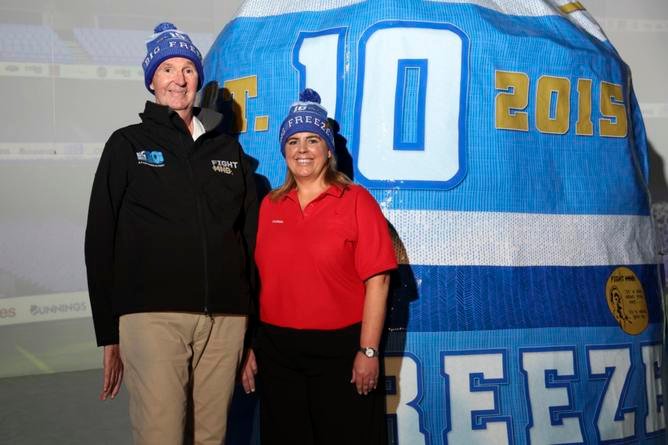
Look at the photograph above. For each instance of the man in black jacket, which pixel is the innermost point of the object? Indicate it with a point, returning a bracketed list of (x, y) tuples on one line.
[(169, 248)]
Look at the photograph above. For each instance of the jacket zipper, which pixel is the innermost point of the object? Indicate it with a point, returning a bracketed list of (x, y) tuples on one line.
[(202, 231)]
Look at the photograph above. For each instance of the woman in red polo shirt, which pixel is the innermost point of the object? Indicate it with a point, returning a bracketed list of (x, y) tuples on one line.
[(323, 252)]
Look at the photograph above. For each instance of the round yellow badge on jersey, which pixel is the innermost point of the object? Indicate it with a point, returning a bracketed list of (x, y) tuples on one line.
[(626, 300)]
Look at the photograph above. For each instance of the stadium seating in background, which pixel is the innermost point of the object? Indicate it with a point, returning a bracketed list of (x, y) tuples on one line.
[(124, 47), (32, 43)]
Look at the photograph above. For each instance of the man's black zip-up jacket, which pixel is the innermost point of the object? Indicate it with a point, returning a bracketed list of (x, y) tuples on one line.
[(171, 223)]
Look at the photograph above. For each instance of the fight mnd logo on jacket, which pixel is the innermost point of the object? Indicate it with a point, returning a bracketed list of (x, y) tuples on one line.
[(505, 146)]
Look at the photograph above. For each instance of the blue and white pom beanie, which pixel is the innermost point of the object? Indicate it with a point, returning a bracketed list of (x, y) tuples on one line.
[(165, 43), (307, 115)]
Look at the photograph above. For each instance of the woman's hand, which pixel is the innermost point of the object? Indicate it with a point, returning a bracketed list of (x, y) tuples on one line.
[(248, 371), (365, 373), (366, 369)]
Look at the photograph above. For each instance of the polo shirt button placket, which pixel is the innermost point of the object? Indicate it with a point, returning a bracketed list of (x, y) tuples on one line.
[(307, 209)]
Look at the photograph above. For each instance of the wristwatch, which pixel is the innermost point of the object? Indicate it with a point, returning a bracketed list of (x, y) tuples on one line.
[(369, 352)]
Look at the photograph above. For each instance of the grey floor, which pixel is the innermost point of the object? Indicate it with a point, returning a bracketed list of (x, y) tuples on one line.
[(63, 408)]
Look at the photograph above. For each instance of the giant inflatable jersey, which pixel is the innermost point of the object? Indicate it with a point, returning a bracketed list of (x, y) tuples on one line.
[(505, 146)]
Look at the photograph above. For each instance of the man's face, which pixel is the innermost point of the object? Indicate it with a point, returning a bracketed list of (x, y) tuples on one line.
[(175, 83)]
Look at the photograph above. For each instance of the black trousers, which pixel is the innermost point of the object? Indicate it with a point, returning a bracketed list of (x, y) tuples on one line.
[(306, 397)]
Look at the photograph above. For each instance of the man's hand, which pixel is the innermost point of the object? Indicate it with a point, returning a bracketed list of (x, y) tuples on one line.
[(113, 372)]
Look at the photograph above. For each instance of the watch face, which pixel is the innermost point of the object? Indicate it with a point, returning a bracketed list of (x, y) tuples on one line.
[(369, 352)]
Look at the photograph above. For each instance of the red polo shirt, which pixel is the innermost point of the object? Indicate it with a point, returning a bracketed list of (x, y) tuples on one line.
[(313, 263)]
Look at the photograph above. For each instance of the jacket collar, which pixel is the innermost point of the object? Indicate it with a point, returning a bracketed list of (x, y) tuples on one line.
[(163, 115)]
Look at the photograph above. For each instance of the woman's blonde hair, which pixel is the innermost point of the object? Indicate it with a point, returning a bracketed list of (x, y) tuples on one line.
[(332, 177)]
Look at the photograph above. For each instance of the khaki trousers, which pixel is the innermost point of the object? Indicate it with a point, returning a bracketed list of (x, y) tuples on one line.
[(179, 364)]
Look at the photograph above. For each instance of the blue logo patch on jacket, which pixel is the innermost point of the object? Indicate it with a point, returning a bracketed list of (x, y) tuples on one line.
[(154, 158)]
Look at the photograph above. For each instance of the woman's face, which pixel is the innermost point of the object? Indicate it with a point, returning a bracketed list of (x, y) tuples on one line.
[(307, 156)]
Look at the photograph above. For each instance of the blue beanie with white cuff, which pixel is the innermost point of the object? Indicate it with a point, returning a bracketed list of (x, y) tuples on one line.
[(307, 115), (167, 42)]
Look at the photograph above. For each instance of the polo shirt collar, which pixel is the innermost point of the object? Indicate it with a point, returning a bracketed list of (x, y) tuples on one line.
[(334, 190)]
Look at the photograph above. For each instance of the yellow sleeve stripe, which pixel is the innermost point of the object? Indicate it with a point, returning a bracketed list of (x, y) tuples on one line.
[(571, 7)]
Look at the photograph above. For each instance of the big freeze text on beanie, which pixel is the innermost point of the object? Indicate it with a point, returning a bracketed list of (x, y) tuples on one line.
[(167, 42), (307, 115)]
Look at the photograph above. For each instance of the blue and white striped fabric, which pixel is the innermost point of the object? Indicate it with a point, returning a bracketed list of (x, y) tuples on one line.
[(505, 146)]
